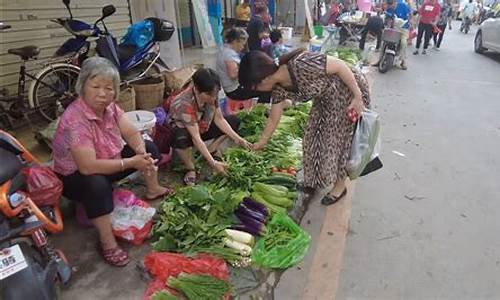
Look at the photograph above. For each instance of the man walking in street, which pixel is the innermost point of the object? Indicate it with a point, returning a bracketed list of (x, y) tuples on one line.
[(429, 14), (444, 16)]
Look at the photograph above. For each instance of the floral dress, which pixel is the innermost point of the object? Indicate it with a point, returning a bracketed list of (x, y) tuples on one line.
[(328, 136)]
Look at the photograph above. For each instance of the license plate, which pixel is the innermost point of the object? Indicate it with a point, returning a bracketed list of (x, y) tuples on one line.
[(11, 261)]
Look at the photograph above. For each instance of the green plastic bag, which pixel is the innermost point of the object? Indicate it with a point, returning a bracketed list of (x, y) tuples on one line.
[(284, 245)]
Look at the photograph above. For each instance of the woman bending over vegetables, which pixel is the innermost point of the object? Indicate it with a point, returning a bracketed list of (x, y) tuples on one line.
[(90, 151), (334, 88), (196, 117)]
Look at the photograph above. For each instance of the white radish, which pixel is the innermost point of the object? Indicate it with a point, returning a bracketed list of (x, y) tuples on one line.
[(243, 249), (240, 236)]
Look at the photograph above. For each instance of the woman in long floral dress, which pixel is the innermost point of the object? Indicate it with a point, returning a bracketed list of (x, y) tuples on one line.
[(334, 89)]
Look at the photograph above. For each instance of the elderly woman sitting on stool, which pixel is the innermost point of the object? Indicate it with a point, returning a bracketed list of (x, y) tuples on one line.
[(90, 151)]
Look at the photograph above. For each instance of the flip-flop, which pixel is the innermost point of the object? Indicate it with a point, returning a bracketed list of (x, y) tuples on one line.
[(116, 257), (189, 180), (169, 191), (329, 199)]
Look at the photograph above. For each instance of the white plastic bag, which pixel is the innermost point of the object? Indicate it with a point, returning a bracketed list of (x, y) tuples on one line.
[(363, 143)]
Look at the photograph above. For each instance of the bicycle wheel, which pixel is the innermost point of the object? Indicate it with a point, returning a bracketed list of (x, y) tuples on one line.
[(54, 89)]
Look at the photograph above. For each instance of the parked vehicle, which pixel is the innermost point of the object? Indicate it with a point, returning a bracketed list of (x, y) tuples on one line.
[(51, 89), (391, 39), (30, 268), (134, 62), (488, 35)]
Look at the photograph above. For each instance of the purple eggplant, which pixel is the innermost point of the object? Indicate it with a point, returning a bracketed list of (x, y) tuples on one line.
[(250, 222), (243, 209), (255, 206)]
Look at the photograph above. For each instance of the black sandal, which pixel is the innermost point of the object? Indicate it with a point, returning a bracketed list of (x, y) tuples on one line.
[(329, 199), (189, 180)]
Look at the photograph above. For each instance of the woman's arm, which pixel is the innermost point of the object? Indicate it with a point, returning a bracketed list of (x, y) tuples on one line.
[(194, 131), (272, 123), (232, 69), (224, 126), (131, 135), (88, 164), (339, 68)]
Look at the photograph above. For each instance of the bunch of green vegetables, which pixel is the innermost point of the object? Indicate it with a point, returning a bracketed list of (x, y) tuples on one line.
[(252, 122), (276, 198), (196, 287), (193, 220), (244, 168), (349, 55), (163, 295)]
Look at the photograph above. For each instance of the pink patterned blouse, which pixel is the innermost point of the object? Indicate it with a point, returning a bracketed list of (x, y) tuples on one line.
[(81, 127)]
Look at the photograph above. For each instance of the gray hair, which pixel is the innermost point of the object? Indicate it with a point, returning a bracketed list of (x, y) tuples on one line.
[(235, 34), (97, 66)]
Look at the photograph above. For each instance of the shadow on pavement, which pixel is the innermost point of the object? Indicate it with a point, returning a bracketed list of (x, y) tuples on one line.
[(493, 56)]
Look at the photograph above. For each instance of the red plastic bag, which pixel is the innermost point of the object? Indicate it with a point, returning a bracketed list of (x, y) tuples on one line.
[(136, 229), (164, 264), (43, 186)]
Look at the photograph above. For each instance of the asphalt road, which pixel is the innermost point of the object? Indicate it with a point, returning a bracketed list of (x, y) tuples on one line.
[(427, 226)]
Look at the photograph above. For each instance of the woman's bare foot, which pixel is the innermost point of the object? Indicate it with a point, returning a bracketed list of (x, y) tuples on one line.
[(157, 192)]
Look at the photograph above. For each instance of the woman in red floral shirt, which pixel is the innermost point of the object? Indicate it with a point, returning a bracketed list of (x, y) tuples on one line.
[(196, 117)]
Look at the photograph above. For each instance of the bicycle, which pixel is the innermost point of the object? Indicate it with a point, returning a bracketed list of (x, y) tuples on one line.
[(51, 89)]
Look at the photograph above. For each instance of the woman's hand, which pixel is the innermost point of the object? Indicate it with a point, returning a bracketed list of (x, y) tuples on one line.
[(356, 105), (243, 143), (259, 145), (220, 168), (142, 162)]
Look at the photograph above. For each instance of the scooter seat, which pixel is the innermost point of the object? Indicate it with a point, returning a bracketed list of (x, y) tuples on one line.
[(26, 52), (11, 165), (125, 52)]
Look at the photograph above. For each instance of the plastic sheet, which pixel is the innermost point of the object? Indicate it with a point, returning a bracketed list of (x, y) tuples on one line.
[(286, 255), (131, 218)]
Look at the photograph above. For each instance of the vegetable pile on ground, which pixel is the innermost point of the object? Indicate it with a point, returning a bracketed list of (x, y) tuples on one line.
[(226, 216), (196, 287), (349, 55)]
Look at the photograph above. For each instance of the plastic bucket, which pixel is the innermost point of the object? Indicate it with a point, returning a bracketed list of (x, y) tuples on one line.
[(287, 33), (143, 120), (318, 31)]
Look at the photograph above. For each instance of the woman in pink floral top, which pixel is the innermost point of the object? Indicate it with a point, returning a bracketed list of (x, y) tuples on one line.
[(94, 145)]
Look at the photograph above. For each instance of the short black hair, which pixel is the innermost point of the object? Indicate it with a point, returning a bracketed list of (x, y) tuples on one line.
[(275, 35), (206, 80)]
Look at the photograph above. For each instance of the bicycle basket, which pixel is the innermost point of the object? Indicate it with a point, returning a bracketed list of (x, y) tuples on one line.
[(391, 36)]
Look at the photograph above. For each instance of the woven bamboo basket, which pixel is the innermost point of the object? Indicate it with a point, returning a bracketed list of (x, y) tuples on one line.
[(126, 99), (149, 93), (175, 80)]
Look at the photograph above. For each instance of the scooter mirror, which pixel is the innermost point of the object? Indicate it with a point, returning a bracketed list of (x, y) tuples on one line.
[(108, 10), (66, 2)]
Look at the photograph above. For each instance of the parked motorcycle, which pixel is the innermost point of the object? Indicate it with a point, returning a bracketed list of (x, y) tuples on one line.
[(30, 268), (391, 44), (133, 61), (465, 26)]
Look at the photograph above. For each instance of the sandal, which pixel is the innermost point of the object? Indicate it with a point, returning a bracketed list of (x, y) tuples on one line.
[(190, 180), (116, 257), (169, 191), (330, 199)]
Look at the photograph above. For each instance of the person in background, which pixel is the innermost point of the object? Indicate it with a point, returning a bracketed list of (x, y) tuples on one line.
[(375, 26), (429, 15), (468, 11), (278, 48), (258, 28), (214, 8), (95, 145), (196, 117), (335, 89), (403, 12), (243, 13), (444, 16), (227, 66)]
